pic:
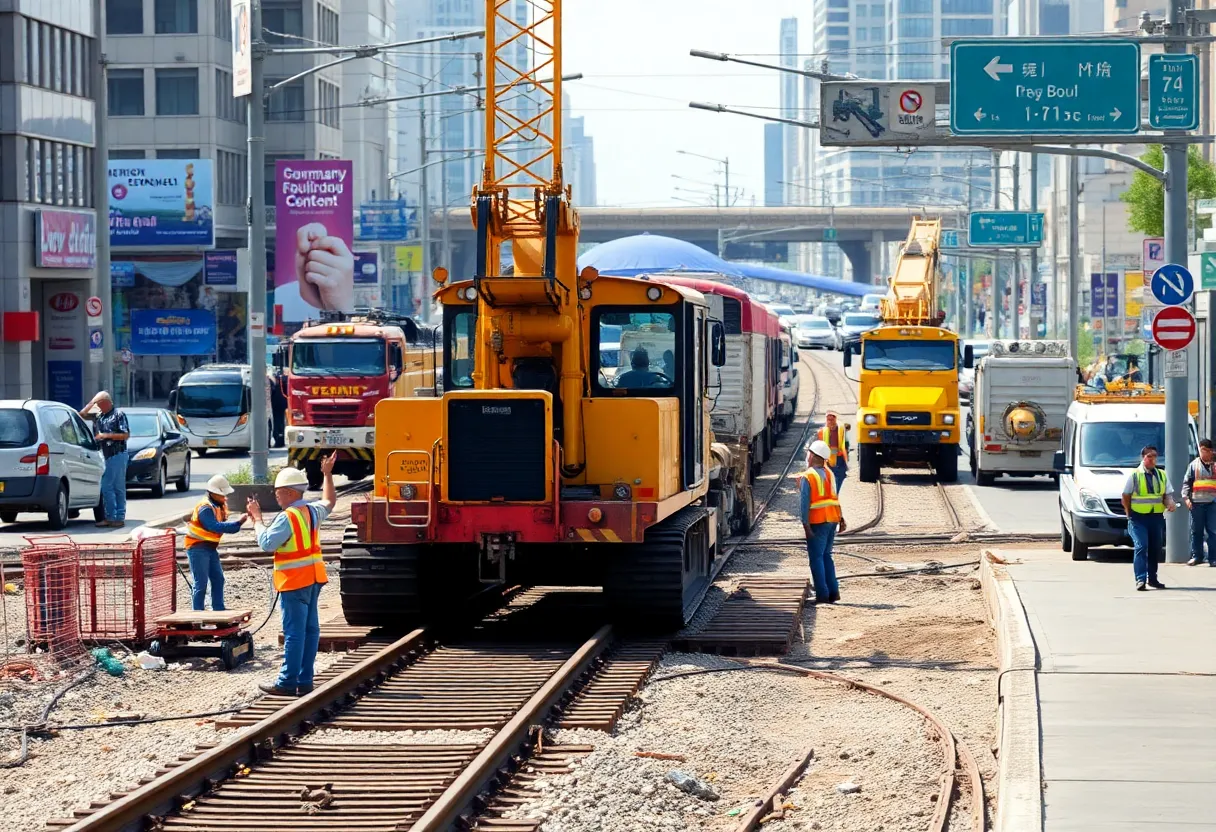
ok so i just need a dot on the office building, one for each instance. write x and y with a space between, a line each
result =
48 222
578 154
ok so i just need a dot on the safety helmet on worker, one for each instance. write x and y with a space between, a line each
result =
219 485
292 478
821 449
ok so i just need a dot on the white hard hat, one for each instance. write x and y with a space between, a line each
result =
292 478
821 449
219 485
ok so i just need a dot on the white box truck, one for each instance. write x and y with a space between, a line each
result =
1022 393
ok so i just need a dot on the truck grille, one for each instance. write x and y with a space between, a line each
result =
335 414
909 437
908 418
496 449
1116 507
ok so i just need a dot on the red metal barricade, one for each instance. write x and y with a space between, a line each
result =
125 587
52 583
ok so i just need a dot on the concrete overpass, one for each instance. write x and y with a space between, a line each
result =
859 230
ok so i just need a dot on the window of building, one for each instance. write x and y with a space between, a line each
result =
916 27
232 177
966 26
285 103
327 25
283 21
268 173
227 106
177 153
124 17
329 101
58 173
966 6
876 33
861 9
862 35
177 92
134 153
838 17
176 17
125 88
223 19
915 70
838 46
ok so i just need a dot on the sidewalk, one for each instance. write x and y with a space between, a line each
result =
1128 734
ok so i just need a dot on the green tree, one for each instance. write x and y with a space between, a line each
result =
1146 196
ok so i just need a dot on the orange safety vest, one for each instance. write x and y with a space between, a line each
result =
825 502
1204 484
298 563
195 533
825 435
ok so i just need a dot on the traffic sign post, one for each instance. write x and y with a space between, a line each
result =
1063 86
1173 92
1005 229
1173 328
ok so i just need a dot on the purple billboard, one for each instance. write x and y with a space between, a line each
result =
314 232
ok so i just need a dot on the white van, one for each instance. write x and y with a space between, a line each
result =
212 406
1101 447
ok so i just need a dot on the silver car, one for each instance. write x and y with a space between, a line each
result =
816 332
49 461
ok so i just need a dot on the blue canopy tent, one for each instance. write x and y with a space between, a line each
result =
655 254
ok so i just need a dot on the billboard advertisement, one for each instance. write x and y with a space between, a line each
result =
367 267
219 268
173 332
315 229
242 51
66 239
161 203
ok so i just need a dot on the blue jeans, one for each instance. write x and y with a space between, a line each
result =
823 568
841 472
205 568
114 487
1203 518
1148 534
301 636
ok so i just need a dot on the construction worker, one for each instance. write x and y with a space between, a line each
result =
821 518
206 526
1199 495
837 437
299 571
1147 496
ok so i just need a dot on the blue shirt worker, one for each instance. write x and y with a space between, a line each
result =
1147 496
1199 496
821 519
206 526
110 429
299 571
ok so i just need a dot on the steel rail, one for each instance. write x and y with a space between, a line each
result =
768 804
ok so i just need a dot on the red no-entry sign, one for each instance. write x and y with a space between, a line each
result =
1173 328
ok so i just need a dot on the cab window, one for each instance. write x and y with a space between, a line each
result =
635 351
460 342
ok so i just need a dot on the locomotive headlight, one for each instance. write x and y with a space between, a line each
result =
654 293
470 293
948 419
595 515
622 491
585 293
407 491
871 419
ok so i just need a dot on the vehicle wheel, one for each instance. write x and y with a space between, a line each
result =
8 517
315 477
158 490
972 464
73 513
99 511
1065 536
1079 550
984 478
57 517
867 463
947 463
201 451
229 660
184 483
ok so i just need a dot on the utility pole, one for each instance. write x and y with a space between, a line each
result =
1177 422
101 203
994 302
966 329
1033 277
259 449
424 212
1074 255
1015 289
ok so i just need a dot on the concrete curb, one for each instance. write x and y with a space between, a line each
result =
1019 775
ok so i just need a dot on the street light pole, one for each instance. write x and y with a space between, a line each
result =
101 203
1074 254
259 449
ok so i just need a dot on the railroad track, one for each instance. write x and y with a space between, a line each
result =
507 675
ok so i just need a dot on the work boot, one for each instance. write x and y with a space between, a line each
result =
1194 561
303 690
268 687
102 524
1156 584
1140 587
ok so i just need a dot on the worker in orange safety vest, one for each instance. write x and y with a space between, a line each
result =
821 519
836 436
1199 494
299 571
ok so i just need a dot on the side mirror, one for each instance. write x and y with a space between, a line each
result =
279 361
173 399
717 345
848 355
1057 462
172 435
969 356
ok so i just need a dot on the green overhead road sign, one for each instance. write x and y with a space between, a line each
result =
829 234
999 229
1063 87
1173 92
1207 271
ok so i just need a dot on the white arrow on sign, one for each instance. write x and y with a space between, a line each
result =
995 68
1115 113
979 114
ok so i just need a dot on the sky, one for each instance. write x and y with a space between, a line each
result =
639 78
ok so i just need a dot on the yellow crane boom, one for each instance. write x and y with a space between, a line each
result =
912 297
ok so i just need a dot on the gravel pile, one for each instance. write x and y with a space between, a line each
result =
77 767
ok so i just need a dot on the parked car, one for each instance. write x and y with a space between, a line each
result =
159 453
817 332
49 462
855 323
